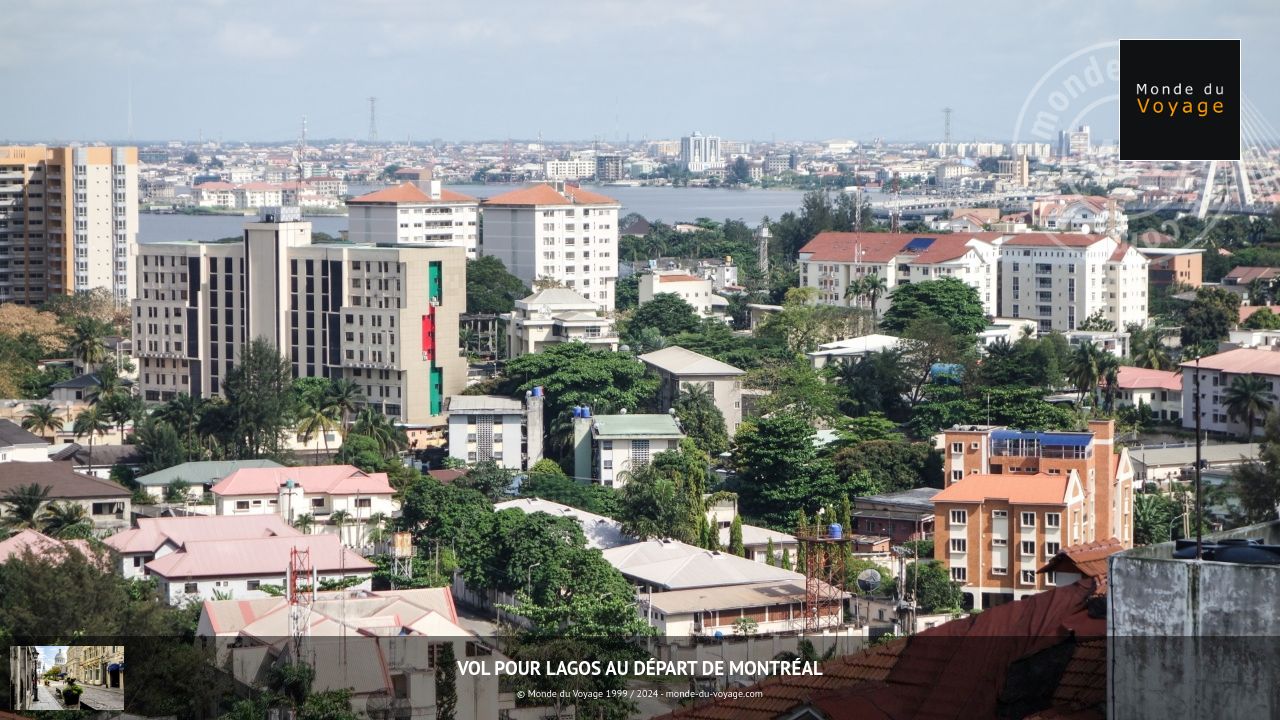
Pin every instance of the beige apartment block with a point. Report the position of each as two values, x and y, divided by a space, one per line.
68 221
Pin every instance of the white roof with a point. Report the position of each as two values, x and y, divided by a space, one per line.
752 536
683 602
559 297
483 403
680 361
601 532
676 566
857 346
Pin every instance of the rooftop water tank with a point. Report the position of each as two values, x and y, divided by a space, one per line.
835 531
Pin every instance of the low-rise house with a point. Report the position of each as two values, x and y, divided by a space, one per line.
756 542
1163 465
42 546
19 445
997 530
157 537
106 502
602 532
695 290
606 447
1113 342
390 643
102 460
318 491
851 350
200 475
556 315
679 369
1160 391
82 387
488 427
207 569
901 516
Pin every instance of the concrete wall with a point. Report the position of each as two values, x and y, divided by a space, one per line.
1193 639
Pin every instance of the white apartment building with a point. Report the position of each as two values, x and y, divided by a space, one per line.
607 447
407 215
832 261
692 289
1216 373
68 221
501 429
699 153
383 317
578 168
556 232
1059 280
556 315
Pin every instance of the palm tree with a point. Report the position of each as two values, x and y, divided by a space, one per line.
340 519
42 419
1087 368
855 289
317 420
345 397
304 523
108 383
1111 376
66 520
376 528
24 504
1248 396
182 411
87 346
873 286
370 421
91 421
121 408
1148 348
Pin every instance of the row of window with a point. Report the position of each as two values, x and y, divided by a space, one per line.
1052 520
1028 547
1027 577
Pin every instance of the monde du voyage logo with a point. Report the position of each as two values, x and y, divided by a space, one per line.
1180 99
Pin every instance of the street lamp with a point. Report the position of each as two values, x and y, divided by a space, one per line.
528 577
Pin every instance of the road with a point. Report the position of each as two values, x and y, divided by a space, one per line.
93 697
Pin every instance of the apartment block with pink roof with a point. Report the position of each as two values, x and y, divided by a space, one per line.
157 537
319 491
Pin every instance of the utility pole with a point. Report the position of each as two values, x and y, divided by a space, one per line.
1199 499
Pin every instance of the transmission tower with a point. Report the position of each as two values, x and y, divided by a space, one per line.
301 590
373 119
946 126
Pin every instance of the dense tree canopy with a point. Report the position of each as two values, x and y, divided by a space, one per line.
667 314
491 289
950 299
780 470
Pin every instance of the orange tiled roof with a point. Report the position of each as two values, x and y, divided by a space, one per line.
1037 489
544 194
1088 559
833 246
409 193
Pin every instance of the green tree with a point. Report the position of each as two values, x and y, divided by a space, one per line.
779 470
1148 347
802 325
1257 484
333 705
1153 517
735 537
177 490
932 587
889 465
432 510
667 313
700 419
1262 319
1098 322
547 481
87 345
795 386
949 299
927 342
259 395
1248 397
1089 365
345 398
361 451
66 520
159 445
488 478
663 499
91 422
305 523
491 289
626 293
875 383
42 419
446 684
1209 319
183 412
373 423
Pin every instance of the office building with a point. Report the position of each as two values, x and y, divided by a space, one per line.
385 318
576 168
1075 143
1060 279
409 215
556 232
609 168
68 221
699 153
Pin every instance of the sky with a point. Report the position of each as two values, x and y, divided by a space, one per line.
232 70
49 652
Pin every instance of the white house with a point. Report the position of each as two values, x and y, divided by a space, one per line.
20 445
488 427
199 475
556 315
850 350
318 490
606 447
1159 390
697 291
156 537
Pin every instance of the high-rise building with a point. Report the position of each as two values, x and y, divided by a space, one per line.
1075 143
608 168
700 152
385 318
556 232
413 215
68 221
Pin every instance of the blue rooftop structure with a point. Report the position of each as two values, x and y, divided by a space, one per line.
919 244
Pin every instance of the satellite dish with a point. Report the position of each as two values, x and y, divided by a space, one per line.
379 704
869 579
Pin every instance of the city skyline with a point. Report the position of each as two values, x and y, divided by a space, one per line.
607 70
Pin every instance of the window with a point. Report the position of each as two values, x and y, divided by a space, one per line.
957 475
254 584
137 561
1029 547
959 517
317 502
1028 519
1028 577
999 514
608 464
1051 549
606 444
957 447
959 545
242 505
364 502
191 588
959 574
999 571
1053 520
999 542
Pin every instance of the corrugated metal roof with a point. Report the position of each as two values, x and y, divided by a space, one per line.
658 425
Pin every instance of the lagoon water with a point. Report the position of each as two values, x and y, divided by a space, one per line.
668 204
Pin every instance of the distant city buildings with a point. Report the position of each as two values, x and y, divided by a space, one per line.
68 221
385 318
1075 143
700 153
557 233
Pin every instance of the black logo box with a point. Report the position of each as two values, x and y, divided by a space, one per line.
1187 69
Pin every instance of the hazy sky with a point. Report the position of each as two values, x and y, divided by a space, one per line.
569 69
